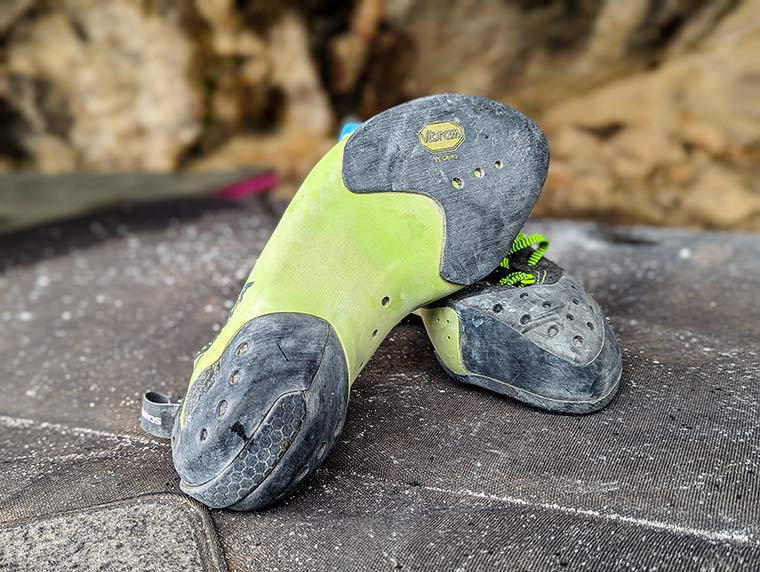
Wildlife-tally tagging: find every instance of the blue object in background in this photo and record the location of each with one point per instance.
(348, 128)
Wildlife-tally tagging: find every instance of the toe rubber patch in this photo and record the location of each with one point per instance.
(264, 415)
(482, 162)
(548, 345)
(562, 318)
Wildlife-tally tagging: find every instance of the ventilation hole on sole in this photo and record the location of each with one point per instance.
(589, 325)
(204, 434)
(241, 349)
(590, 307)
(448, 321)
(498, 164)
(361, 364)
(573, 286)
(577, 341)
(575, 301)
(437, 319)
(457, 182)
(385, 301)
(221, 409)
(303, 472)
(570, 317)
(234, 377)
(374, 333)
(448, 337)
(497, 308)
(321, 452)
(478, 172)
(524, 295)
(525, 319)
(547, 304)
(553, 331)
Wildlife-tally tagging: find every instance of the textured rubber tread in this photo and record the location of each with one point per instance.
(258, 458)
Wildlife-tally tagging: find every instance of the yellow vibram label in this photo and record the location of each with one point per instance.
(441, 136)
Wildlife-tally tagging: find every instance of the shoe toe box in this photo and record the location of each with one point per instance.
(551, 342)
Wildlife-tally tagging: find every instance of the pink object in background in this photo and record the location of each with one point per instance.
(252, 186)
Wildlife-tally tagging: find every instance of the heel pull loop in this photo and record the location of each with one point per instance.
(158, 413)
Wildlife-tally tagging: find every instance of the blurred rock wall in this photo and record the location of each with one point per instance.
(652, 107)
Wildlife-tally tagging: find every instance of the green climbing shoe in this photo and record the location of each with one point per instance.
(411, 207)
(529, 331)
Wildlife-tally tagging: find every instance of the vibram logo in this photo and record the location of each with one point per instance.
(441, 136)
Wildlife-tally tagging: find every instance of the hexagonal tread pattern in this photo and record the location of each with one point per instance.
(260, 455)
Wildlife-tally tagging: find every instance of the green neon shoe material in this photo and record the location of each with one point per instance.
(529, 331)
(411, 207)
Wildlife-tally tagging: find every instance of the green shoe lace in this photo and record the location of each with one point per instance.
(519, 278)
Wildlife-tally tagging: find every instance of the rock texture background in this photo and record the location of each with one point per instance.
(652, 107)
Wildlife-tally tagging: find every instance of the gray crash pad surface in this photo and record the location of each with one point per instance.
(428, 474)
(153, 534)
